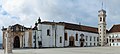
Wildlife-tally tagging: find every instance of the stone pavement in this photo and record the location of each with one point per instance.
(74, 50)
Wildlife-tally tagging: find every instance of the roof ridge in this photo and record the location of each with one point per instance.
(78, 24)
(116, 24)
(115, 28)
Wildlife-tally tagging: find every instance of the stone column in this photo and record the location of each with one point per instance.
(8, 45)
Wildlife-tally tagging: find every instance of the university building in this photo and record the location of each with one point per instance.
(62, 34)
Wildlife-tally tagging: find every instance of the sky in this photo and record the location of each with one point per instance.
(26, 12)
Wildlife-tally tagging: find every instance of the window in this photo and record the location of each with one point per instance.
(90, 38)
(86, 38)
(104, 26)
(104, 29)
(112, 36)
(94, 44)
(97, 44)
(113, 44)
(65, 36)
(76, 37)
(90, 44)
(104, 39)
(48, 32)
(112, 40)
(104, 32)
(107, 40)
(100, 39)
(109, 36)
(60, 39)
(104, 19)
(94, 38)
(117, 43)
(97, 38)
(100, 19)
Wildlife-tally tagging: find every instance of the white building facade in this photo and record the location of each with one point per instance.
(114, 36)
(61, 34)
(52, 34)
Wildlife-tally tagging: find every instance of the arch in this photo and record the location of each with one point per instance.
(16, 42)
(82, 40)
(82, 35)
(71, 41)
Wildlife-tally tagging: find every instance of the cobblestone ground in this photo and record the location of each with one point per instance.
(76, 50)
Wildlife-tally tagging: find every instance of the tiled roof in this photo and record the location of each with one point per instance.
(80, 27)
(115, 28)
(71, 26)
(51, 23)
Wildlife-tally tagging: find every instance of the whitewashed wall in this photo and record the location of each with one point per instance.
(115, 44)
(77, 43)
(60, 33)
(33, 33)
(57, 31)
(26, 38)
(114, 36)
(46, 40)
(49, 41)
(72, 33)
(39, 31)
(93, 41)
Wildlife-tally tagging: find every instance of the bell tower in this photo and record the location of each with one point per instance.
(102, 27)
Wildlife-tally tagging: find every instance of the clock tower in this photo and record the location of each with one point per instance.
(102, 27)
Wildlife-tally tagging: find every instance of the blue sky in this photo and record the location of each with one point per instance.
(26, 12)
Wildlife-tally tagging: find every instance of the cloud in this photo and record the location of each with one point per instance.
(26, 12)
(58, 10)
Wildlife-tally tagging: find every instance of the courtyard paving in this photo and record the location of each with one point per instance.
(74, 50)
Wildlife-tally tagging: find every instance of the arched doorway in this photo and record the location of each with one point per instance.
(16, 42)
(82, 40)
(71, 41)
